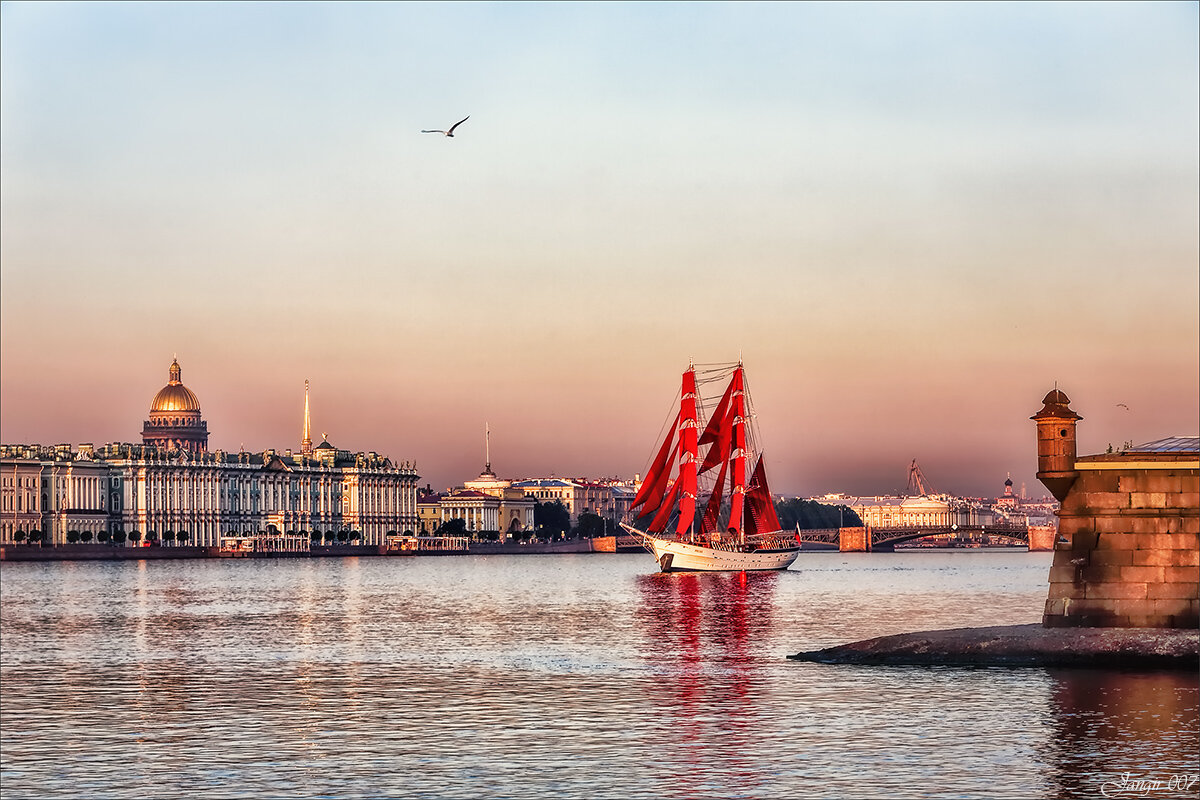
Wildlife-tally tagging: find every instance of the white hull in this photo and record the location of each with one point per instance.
(674, 556)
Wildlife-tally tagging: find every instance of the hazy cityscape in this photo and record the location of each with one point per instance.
(599, 400)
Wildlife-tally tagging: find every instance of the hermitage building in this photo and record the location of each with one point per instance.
(172, 488)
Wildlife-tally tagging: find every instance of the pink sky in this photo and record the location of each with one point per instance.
(908, 221)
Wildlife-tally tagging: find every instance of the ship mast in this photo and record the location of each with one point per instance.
(687, 453)
(738, 476)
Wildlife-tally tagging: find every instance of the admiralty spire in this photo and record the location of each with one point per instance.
(306, 448)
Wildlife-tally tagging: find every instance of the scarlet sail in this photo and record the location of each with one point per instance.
(741, 535)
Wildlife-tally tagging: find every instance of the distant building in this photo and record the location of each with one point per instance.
(608, 499)
(914, 512)
(172, 485)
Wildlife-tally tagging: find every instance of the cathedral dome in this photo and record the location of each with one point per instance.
(174, 396)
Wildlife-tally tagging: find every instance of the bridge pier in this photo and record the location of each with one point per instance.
(1042, 537)
(854, 540)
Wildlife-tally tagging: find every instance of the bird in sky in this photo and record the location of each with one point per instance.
(1122, 405)
(452, 127)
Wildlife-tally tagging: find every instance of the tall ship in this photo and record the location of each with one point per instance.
(705, 504)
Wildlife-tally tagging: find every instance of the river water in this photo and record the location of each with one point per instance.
(588, 676)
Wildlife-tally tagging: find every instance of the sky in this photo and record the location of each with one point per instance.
(909, 221)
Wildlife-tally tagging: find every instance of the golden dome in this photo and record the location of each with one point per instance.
(175, 396)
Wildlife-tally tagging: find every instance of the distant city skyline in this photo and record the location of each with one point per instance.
(909, 220)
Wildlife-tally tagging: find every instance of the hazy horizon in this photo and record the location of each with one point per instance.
(910, 221)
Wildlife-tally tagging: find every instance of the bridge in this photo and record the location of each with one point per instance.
(885, 539)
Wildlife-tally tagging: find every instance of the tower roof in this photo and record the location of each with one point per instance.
(174, 396)
(1056, 405)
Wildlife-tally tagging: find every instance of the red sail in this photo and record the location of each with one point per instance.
(656, 479)
(718, 417)
(738, 480)
(762, 517)
(659, 523)
(687, 447)
(712, 512)
(719, 452)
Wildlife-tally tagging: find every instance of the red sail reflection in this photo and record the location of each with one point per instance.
(701, 631)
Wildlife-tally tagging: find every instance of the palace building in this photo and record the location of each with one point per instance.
(172, 488)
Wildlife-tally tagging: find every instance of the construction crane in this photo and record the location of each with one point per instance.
(917, 483)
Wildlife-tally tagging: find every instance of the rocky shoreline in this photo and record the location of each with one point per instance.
(1024, 646)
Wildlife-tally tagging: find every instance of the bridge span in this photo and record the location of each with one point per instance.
(884, 539)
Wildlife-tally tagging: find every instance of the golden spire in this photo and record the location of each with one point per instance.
(306, 442)
(175, 372)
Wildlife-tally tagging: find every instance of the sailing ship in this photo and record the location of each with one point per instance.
(690, 526)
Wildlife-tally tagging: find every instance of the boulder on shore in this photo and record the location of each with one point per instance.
(1024, 646)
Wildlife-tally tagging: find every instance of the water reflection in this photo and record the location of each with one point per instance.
(1112, 727)
(573, 677)
(699, 631)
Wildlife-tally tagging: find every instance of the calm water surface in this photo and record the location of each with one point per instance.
(569, 676)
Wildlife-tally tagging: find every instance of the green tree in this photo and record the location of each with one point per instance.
(103, 536)
(72, 536)
(19, 536)
(315, 536)
(811, 515)
(590, 525)
(118, 537)
(181, 536)
(355, 536)
(85, 537)
(135, 537)
(552, 520)
(343, 535)
(452, 527)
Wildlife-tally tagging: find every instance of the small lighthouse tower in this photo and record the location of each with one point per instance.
(1056, 443)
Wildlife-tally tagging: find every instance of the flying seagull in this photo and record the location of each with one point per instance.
(452, 127)
(1122, 405)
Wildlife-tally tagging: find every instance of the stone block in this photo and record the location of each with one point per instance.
(1187, 501)
(1102, 573)
(1143, 607)
(1148, 500)
(1063, 574)
(1169, 541)
(1119, 540)
(1112, 590)
(1091, 481)
(1142, 574)
(1147, 481)
(1182, 575)
(1108, 558)
(1061, 590)
(1166, 558)
(1171, 606)
(1156, 591)
(1054, 607)
(1106, 501)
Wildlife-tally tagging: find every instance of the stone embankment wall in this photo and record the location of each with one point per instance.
(1132, 552)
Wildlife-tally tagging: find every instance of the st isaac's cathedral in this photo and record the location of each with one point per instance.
(172, 488)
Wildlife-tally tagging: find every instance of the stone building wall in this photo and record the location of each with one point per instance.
(1129, 547)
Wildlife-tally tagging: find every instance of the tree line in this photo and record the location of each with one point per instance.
(553, 521)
